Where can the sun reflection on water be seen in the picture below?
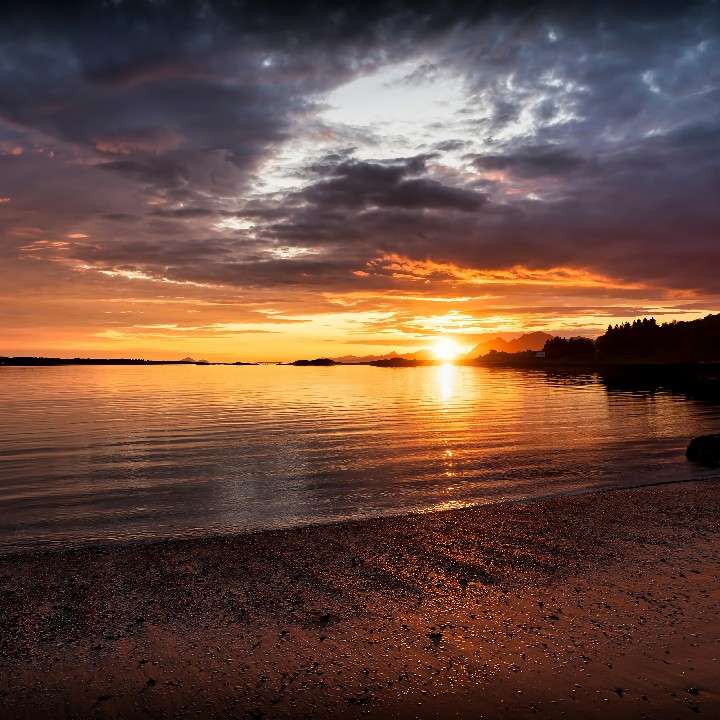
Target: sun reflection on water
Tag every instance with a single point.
(446, 376)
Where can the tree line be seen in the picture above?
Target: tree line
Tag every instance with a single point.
(689, 340)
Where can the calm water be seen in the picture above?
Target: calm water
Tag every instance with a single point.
(114, 453)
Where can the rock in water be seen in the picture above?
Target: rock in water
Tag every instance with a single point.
(704, 450)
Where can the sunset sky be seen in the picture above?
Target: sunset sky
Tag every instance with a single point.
(279, 180)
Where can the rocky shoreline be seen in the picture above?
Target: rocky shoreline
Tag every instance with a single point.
(571, 607)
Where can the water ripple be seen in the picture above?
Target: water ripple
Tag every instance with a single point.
(120, 453)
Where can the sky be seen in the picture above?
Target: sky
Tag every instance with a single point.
(274, 180)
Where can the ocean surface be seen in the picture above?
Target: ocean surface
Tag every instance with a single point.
(113, 453)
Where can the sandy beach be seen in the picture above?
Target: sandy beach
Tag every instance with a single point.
(588, 606)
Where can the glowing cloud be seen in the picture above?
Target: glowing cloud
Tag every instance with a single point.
(405, 268)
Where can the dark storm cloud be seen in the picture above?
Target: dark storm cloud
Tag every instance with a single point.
(355, 184)
(164, 173)
(593, 135)
(532, 161)
(317, 274)
(137, 254)
(184, 212)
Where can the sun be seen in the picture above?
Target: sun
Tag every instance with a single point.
(445, 349)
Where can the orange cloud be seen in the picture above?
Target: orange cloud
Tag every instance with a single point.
(43, 246)
(7, 148)
(389, 297)
(405, 268)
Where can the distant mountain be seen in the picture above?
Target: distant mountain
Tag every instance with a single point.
(360, 359)
(529, 341)
(420, 355)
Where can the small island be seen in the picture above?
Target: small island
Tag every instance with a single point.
(321, 362)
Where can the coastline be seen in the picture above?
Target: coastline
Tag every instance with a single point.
(575, 606)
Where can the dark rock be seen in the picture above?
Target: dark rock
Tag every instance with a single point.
(359, 699)
(324, 619)
(704, 450)
(435, 637)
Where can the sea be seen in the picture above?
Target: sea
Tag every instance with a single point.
(105, 454)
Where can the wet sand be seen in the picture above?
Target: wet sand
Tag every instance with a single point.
(592, 606)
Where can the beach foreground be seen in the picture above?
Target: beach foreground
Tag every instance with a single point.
(589, 606)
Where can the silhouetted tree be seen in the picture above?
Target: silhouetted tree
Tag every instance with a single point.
(686, 340)
(559, 347)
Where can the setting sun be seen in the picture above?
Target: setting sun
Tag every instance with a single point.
(445, 349)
